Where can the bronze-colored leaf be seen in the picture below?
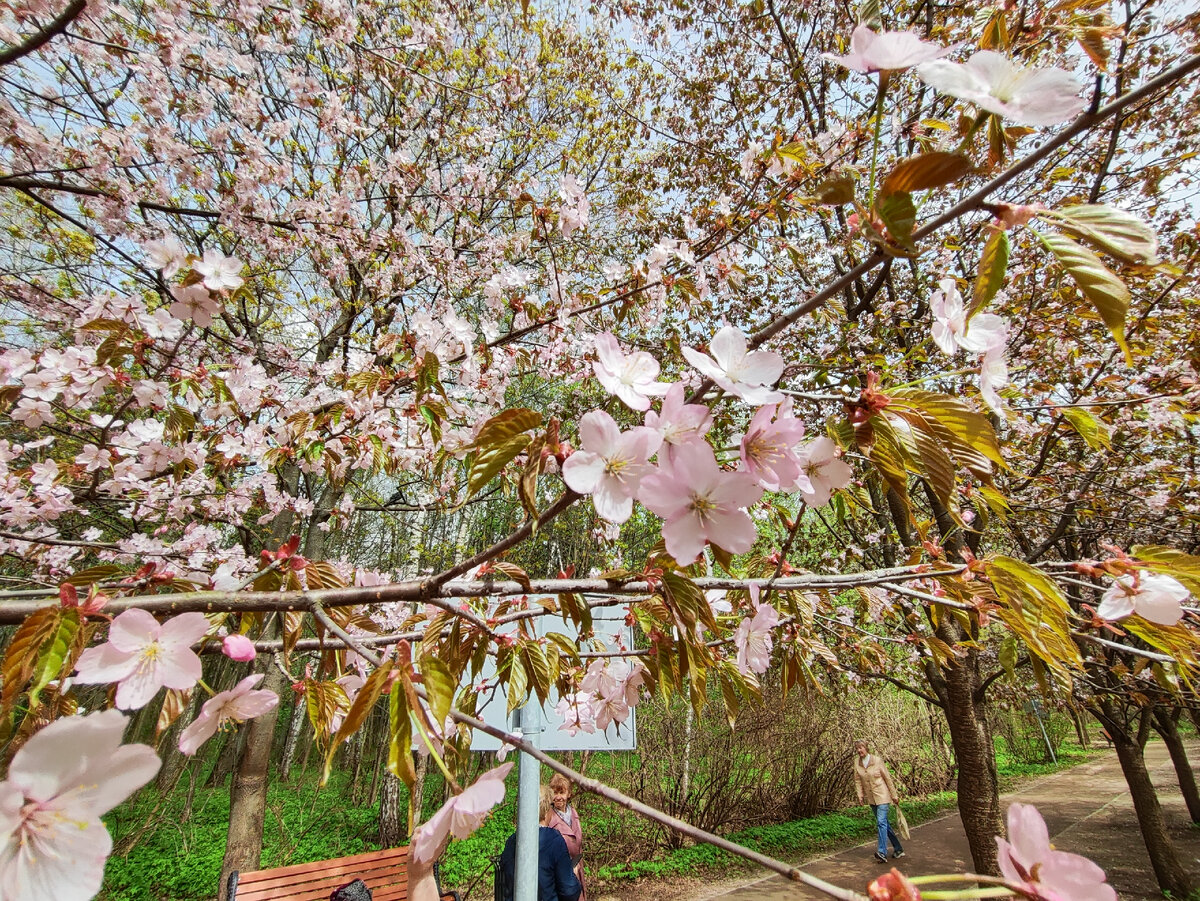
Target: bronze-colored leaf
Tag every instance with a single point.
(924, 172)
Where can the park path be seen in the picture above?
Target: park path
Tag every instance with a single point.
(1087, 810)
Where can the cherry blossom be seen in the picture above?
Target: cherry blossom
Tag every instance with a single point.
(630, 377)
(887, 51)
(995, 83)
(611, 464)
(826, 473)
(742, 374)
(166, 254)
(460, 816)
(237, 705)
(1152, 596)
(1029, 861)
(575, 710)
(993, 375)
(143, 655)
(238, 647)
(53, 843)
(573, 214)
(951, 329)
(219, 271)
(195, 303)
(699, 502)
(679, 422)
(753, 637)
(767, 448)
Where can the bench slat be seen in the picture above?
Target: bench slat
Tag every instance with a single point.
(385, 873)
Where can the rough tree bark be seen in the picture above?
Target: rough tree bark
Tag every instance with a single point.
(1165, 725)
(1164, 857)
(248, 797)
(391, 819)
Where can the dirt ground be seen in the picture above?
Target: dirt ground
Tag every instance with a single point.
(1087, 809)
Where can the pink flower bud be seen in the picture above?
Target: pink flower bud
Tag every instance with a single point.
(238, 647)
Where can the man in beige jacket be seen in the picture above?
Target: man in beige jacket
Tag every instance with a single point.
(874, 785)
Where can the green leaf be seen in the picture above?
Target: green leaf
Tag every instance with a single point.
(439, 685)
(926, 171)
(836, 190)
(364, 703)
(400, 762)
(898, 213)
(517, 687)
(1034, 608)
(971, 435)
(1098, 284)
(1114, 231)
(488, 462)
(537, 669)
(55, 651)
(869, 14)
(505, 425)
(1008, 656)
(1090, 429)
(993, 263)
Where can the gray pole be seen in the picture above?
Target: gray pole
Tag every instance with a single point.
(528, 791)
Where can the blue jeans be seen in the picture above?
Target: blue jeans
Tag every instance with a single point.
(885, 829)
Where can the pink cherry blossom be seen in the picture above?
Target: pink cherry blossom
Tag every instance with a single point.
(993, 375)
(1152, 596)
(1029, 862)
(826, 473)
(951, 330)
(166, 254)
(887, 51)
(238, 647)
(753, 637)
(573, 214)
(611, 464)
(610, 708)
(767, 448)
(700, 503)
(995, 83)
(219, 271)
(575, 710)
(460, 816)
(630, 377)
(678, 422)
(53, 843)
(195, 303)
(743, 374)
(237, 705)
(143, 655)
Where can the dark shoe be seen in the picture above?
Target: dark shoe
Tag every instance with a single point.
(897, 855)
(882, 858)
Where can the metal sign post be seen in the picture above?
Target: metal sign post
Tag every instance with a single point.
(528, 799)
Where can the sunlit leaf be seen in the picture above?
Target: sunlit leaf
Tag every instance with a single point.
(1109, 229)
(1097, 283)
(993, 264)
(921, 173)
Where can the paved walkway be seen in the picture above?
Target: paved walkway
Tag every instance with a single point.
(1087, 810)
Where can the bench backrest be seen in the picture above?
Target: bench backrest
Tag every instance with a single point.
(385, 873)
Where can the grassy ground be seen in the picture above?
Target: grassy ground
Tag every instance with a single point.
(181, 859)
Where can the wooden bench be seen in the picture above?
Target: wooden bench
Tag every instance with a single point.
(385, 873)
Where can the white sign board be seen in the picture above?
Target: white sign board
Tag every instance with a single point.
(606, 622)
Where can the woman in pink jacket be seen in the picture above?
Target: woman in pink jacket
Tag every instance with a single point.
(873, 783)
(565, 818)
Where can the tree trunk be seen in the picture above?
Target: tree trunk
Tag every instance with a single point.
(292, 741)
(391, 822)
(227, 759)
(975, 752)
(248, 797)
(1164, 723)
(1164, 857)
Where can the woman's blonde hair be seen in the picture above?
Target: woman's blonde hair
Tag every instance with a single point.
(545, 802)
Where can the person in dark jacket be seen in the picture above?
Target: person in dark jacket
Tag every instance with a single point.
(556, 876)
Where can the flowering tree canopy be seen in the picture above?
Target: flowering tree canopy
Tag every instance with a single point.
(287, 285)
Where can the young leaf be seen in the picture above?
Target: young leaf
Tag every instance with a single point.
(1114, 231)
(1107, 293)
(439, 685)
(926, 171)
(505, 425)
(490, 460)
(400, 762)
(993, 263)
(898, 213)
(1090, 429)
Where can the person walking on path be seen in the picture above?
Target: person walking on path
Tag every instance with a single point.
(873, 783)
(565, 819)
